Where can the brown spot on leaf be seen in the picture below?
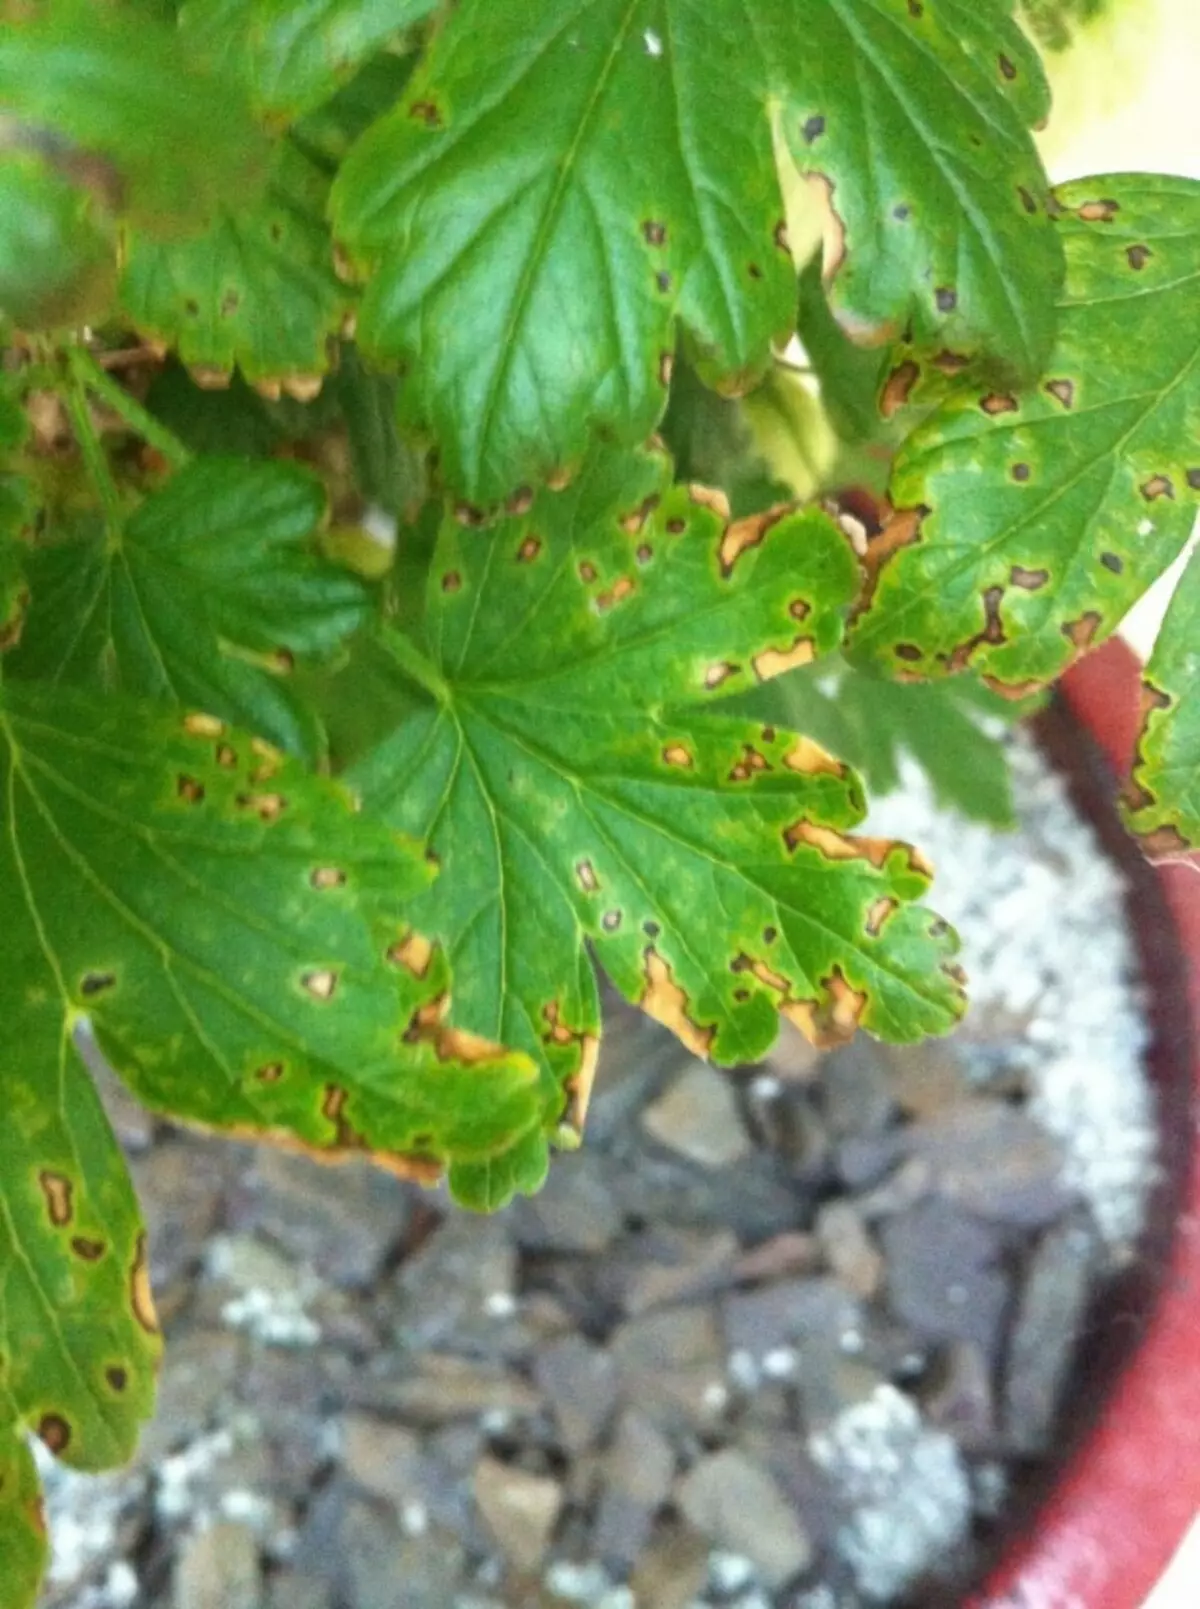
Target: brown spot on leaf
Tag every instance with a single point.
(520, 502)
(1158, 486)
(666, 368)
(54, 1431)
(226, 756)
(1007, 67)
(949, 363)
(1020, 472)
(1193, 479)
(711, 498)
(901, 212)
(764, 973)
(645, 553)
(585, 872)
(469, 515)
(720, 672)
(677, 754)
(774, 661)
(413, 952)
(781, 236)
(898, 387)
(744, 534)
(426, 112)
(610, 921)
(1027, 200)
(909, 651)
(1081, 633)
(140, 1295)
(620, 590)
(270, 1073)
(1029, 580)
(945, 298)
(799, 608)
(992, 633)
(189, 789)
(587, 572)
(89, 1250)
(666, 1002)
(328, 877)
(835, 1019)
(812, 129)
(1103, 211)
(579, 1086)
(1062, 391)
(901, 529)
(59, 1193)
(451, 581)
(266, 806)
(810, 759)
(1012, 690)
(117, 1377)
(878, 914)
(1113, 562)
(750, 762)
(654, 232)
(321, 983)
(915, 8)
(634, 523)
(94, 983)
(663, 281)
(754, 271)
(997, 402)
(1138, 257)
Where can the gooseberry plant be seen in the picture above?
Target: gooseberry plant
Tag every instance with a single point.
(324, 838)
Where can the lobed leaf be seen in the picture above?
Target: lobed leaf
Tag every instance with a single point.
(293, 56)
(1162, 796)
(565, 180)
(24, 1550)
(258, 289)
(1027, 521)
(580, 791)
(205, 595)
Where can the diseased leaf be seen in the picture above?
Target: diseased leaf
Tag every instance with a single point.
(488, 1185)
(204, 596)
(565, 179)
(1162, 797)
(293, 54)
(579, 789)
(240, 937)
(102, 93)
(1028, 521)
(23, 1545)
(258, 289)
(56, 256)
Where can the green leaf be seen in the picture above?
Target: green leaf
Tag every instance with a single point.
(488, 1185)
(564, 179)
(257, 290)
(567, 766)
(871, 723)
(1162, 797)
(56, 258)
(293, 54)
(204, 595)
(24, 1551)
(388, 471)
(239, 935)
(1028, 521)
(117, 104)
(849, 375)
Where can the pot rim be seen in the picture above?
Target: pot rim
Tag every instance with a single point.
(1127, 1496)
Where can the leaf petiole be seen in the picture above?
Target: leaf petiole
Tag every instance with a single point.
(89, 374)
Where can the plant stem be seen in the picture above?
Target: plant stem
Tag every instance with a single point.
(96, 460)
(417, 667)
(89, 374)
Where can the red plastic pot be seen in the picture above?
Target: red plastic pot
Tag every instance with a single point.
(1130, 1486)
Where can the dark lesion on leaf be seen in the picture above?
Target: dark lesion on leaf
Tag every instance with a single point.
(897, 388)
(427, 112)
(812, 129)
(94, 983)
(910, 652)
(720, 672)
(1008, 68)
(668, 1003)
(1063, 391)
(55, 1432)
(116, 1377)
(634, 523)
(451, 581)
(878, 913)
(585, 874)
(1138, 256)
(269, 1073)
(624, 587)
(1113, 562)
(1158, 486)
(1028, 580)
(992, 634)
(91, 1251)
(59, 1193)
(520, 502)
(677, 754)
(751, 762)
(528, 551)
(1028, 200)
(1020, 472)
(611, 921)
(267, 807)
(1193, 479)
(741, 535)
(945, 298)
(587, 572)
(226, 756)
(1102, 210)
(654, 232)
(666, 368)
(1081, 633)
(998, 402)
(141, 1296)
(327, 877)
(781, 238)
(189, 789)
(949, 363)
(413, 952)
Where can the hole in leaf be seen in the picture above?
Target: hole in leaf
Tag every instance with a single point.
(610, 921)
(117, 1377)
(321, 984)
(94, 983)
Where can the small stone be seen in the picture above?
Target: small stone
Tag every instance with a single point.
(638, 1469)
(995, 1162)
(793, 1058)
(793, 1252)
(927, 1078)
(704, 1266)
(580, 1383)
(199, 1375)
(671, 1364)
(851, 1252)
(944, 1275)
(383, 1566)
(787, 1123)
(218, 1569)
(132, 1123)
(738, 1504)
(290, 1589)
(698, 1117)
(384, 1459)
(792, 1312)
(444, 1294)
(573, 1212)
(673, 1570)
(181, 1185)
(959, 1398)
(855, 1090)
(445, 1388)
(1050, 1316)
(520, 1509)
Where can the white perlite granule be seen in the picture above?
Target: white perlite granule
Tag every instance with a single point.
(1045, 945)
(906, 1486)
